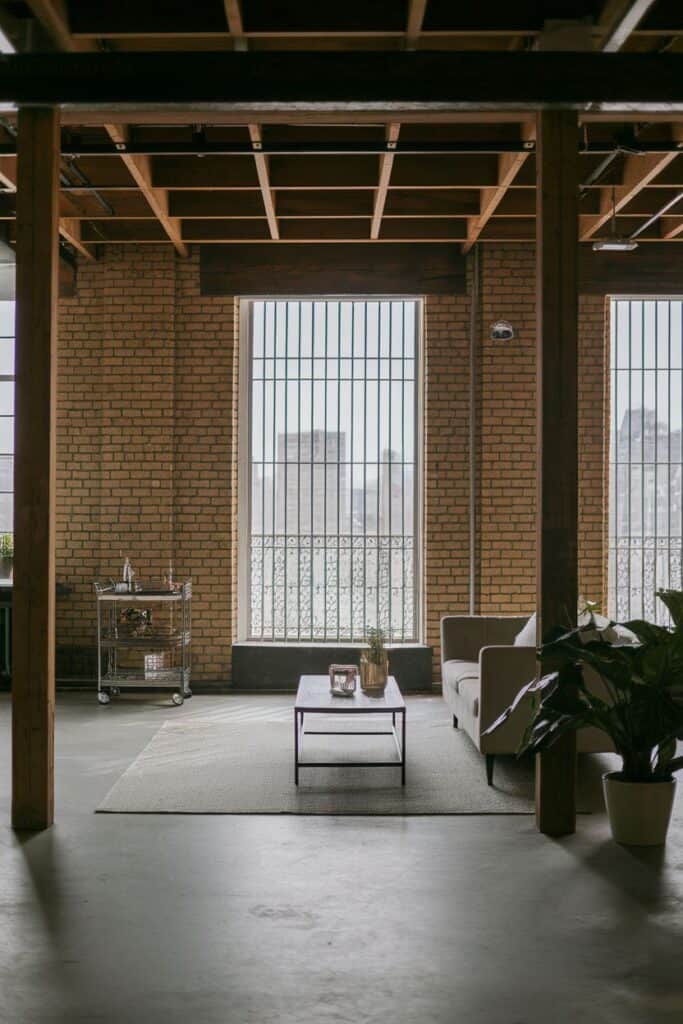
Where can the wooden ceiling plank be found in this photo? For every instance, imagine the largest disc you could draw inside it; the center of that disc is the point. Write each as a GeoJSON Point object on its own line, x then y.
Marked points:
{"type": "Point", "coordinates": [416, 13]}
{"type": "Point", "coordinates": [263, 173]}
{"type": "Point", "coordinates": [386, 162]}
{"type": "Point", "coordinates": [140, 168]}
{"type": "Point", "coordinates": [619, 18]}
{"type": "Point", "coordinates": [233, 16]}
{"type": "Point", "coordinates": [70, 230]}
{"type": "Point", "coordinates": [639, 172]}
{"type": "Point", "coordinates": [509, 165]}
{"type": "Point", "coordinates": [671, 227]}
{"type": "Point", "coordinates": [53, 16]}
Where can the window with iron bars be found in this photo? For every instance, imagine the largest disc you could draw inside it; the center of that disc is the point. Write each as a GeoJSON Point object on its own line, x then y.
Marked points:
{"type": "Point", "coordinates": [330, 468]}
{"type": "Point", "coordinates": [646, 457]}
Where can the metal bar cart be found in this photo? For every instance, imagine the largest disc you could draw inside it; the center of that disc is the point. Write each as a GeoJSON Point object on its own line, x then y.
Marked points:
{"type": "Point", "coordinates": [144, 639]}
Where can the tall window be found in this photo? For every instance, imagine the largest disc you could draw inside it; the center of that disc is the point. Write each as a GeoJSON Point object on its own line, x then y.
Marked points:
{"type": "Point", "coordinates": [646, 459]}
{"type": "Point", "coordinates": [332, 469]}
{"type": "Point", "coordinates": [6, 432]}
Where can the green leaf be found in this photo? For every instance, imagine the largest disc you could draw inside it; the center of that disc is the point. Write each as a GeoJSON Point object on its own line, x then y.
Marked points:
{"type": "Point", "coordinates": [673, 599]}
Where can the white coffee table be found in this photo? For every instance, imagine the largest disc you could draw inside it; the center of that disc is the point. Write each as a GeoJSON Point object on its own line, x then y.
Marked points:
{"type": "Point", "coordinates": [314, 698]}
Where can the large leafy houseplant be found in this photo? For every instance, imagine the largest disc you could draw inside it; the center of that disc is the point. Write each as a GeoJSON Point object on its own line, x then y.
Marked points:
{"type": "Point", "coordinates": [640, 702]}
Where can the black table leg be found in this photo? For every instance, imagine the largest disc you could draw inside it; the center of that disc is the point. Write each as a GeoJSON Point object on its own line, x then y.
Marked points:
{"type": "Point", "coordinates": [296, 747]}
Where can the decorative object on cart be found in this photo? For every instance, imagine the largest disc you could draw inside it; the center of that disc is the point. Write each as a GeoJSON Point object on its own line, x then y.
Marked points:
{"type": "Point", "coordinates": [641, 665]}
{"type": "Point", "coordinates": [128, 582]}
{"type": "Point", "coordinates": [145, 638]}
{"type": "Point", "coordinates": [343, 680]}
{"type": "Point", "coordinates": [6, 556]}
{"type": "Point", "coordinates": [374, 663]}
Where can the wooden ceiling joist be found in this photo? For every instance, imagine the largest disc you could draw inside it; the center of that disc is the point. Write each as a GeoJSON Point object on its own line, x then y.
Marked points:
{"type": "Point", "coordinates": [639, 172]}
{"type": "Point", "coordinates": [264, 182]}
{"type": "Point", "coordinates": [509, 165]}
{"type": "Point", "coordinates": [416, 13]}
{"type": "Point", "coordinates": [140, 168]}
{"type": "Point", "coordinates": [386, 162]}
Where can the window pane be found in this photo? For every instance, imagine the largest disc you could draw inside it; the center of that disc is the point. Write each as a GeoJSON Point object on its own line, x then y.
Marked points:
{"type": "Point", "coordinates": [6, 435]}
{"type": "Point", "coordinates": [6, 397]}
{"type": "Point", "coordinates": [6, 473]}
{"type": "Point", "coordinates": [6, 521]}
{"type": "Point", "coordinates": [332, 465]}
{"type": "Point", "coordinates": [6, 357]}
{"type": "Point", "coordinates": [7, 319]}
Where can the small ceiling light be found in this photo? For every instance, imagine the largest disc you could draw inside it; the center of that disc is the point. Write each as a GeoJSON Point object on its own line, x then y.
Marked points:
{"type": "Point", "coordinates": [614, 243]}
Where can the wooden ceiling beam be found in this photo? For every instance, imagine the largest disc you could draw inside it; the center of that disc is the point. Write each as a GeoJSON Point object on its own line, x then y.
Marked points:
{"type": "Point", "coordinates": [509, 165]}
{"type": "Point", "coordinates": [53, 17]}
{"type": "Point", "coordinates": [639, 172]}
{"type": "Point", "coordinates": [262, 171]}
{"type": "Point", "coordinates": [233, 16]}
{"type": "Point", "coordinates": [670, 228]}
{"type": "Point", "coordinates": [386, 162]}
{"type": "Point", "coordinates": [416, 14]}
{"type": "Point", "coordinates": [381, 83]}
{"type": "Point", "coordinates": [140, 169]}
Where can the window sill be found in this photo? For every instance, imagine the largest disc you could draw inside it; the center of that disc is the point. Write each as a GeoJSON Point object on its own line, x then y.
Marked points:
{"type": "Point", "coordinates": [278, 666]}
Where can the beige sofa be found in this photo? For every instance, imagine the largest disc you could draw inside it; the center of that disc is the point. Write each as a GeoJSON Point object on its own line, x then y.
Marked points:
{"type": "Point", "coordinates": [482, 672]}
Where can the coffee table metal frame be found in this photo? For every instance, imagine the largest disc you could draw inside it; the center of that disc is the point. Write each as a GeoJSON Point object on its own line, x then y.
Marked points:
{"type": "Point", "coordinates": [314, 698]}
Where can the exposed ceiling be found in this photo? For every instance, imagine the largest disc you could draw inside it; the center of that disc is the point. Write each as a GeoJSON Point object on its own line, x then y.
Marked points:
{"type": "Point", "coordinates": [466, 181]}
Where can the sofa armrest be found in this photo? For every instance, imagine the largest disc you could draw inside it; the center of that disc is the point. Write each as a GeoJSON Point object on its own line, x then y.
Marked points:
{"type": "Point", "coordinates": [503, 672]}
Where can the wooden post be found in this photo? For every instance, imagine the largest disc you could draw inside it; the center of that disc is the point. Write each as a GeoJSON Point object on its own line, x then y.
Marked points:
{"type": "Point", "coordinates": [33, 598]}
{"type": "Point", "coordinates": [557, 495]}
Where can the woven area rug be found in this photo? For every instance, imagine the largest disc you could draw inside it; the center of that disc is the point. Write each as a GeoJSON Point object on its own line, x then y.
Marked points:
{"type": "Point", "coordinates": [240, 761]}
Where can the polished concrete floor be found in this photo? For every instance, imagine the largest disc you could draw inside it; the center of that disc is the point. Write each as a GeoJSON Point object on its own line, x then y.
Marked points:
{"type": "Point", "coordinates": [115, 918]}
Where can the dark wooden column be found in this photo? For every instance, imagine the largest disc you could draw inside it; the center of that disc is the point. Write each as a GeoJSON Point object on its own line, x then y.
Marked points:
{"type": "Point", "coordinates": [557, 354]}
{"type": "Point", "coordinates": [33, 611]}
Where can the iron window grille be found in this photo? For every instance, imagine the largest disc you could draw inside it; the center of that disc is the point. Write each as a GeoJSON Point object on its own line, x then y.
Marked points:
{"type": "Point", "coordinates": [646, 459]}
{"type": "Point", "coordinates": [331, 469]}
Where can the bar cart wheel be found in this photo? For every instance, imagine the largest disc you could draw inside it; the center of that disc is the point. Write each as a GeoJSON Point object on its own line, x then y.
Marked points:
{"type": "Point", "coordinates": [103, 697]}
{"type": "Point", "coordinates": [114, 691]}
{"type": "Point", "coordinates": [177, 698]}
{"type": "Point", "coordinates": [187, 693]}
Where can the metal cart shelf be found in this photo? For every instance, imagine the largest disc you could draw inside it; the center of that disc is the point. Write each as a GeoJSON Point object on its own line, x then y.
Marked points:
{"type": "Point", "coordinates": [145, 638]}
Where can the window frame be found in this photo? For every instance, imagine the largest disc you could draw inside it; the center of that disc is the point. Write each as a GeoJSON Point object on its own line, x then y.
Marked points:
{"type": "Point", "coordinates": [244, 464]}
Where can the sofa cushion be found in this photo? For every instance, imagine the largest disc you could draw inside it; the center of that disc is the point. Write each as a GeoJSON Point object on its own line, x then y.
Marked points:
{"type": "Point", "coordinates": [469, 695]}
{"type": "Point", "coordinates": [454, 672]}
{"type": "Point", "coordinates": [527, 634]}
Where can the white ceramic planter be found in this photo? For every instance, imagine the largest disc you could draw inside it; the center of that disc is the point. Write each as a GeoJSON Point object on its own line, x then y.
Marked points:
{"type": "Point", "coordinates": [639, 812]}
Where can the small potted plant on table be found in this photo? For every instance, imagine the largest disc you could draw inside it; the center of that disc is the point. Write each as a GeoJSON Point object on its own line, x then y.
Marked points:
{"type": "Point", "coordinates": [641, 667]}
{"type": "Point", "coordinates": [6, 556]}
{"type": "Point", "coordinates": [374, 663]}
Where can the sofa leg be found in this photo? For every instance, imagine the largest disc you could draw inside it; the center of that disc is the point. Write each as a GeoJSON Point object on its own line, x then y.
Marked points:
{"type": "Point", "coordinates": [455, 721]}
{"type": "Point", "coordinates": [490, 760]}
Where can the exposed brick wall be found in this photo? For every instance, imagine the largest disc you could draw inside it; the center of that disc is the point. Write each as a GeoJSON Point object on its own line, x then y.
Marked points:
{"type": "Point", "coordinates": [446, 461]}
{"type": "Point", "coordinates": [205, 458]}
{"type": "Point", "coordinates": [507, 437]}
{"type": "Point", "coordinates": [147, 443]}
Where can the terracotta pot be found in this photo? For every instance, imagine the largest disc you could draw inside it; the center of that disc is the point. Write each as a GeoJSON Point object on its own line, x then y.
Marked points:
{"type": "Point", "coordinates": [373, 677]}
{"type": "Point", "coordinates": [639, 812]}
